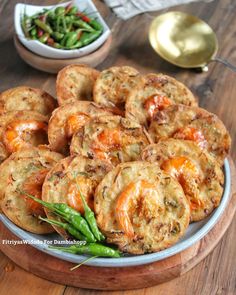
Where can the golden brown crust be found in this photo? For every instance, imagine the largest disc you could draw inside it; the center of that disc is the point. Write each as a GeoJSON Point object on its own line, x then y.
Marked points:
{"type": "Point", "coordinates": [75, 82]}
{"type": "Point", "coordinates": [59, 179]}
{"type": "Point", "coordinates": [155, 84]}
{"type": "Point", "coordinates": [15, 171]}
{"type": "Point", "coordinates": [57, 133]}
{"type": "Point", "coordinates": [159, 215]}
{"type": "Point", "coordinates": [27, 98]}
{"type": "Point", "coordinates": [113, 85]}
{"type": "Point", "coordinates": [114, 138]}
{"type": "Point", "coordinates": [3, 152]}
{"type": "Point", "coordinates": [168, 122]}
{"type": "Point", "coordinates": [206, 188]}
{"type": "Point", "coordinates": [35, 138]}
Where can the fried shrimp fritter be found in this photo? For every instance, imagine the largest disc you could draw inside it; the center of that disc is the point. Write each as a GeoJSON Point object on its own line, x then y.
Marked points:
{"type": "Point", "coordinates": [199, 174]}
{"type": "Point", "coordinates": [75, 82]}
{"type": "Point", "coordinates": [192, 123]}
{"type": "Point", "coordinates": [153, 93]}
{"type": "Point", "coordinates": [113, 138]}
{"type": "Point", "coordinates": [140, 208]}
{"type": "Point", "coordinates": [21, 174]}
{"type": "Point", "coordinates": [113, 86]}
{"type": "Point", "coordinates": [20, 130]}
{"type": "Point", "coordinates": [27, 98]}
{"type": "Point", "coordinates": [62, 183]}
{"type": "Point", "coordinates": [68, 119]}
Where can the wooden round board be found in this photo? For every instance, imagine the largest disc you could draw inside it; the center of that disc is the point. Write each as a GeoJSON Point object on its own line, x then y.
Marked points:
{"type": "Point", "coordinates": [107, 278]}
{"type": "Point", "coordinates": [55, 65]}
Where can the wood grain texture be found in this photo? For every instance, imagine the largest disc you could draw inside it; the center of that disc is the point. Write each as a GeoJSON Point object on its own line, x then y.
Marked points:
{"type": "Point", "coordinates": [55, 65]}
{"type": "Point", "coordinates": [215, 89]}
{"type": "Point", "coordinates": [26, 281]}
{"type": "Point", "coordinates": [125, 278]}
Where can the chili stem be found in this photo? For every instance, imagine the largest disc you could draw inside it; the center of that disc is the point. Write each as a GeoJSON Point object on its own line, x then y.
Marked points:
{"type": "Point", "coordinates": [86, 260]}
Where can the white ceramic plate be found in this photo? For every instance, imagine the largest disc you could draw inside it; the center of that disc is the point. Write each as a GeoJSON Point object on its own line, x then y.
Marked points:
{"type": "Point", "coordinates": [195, 232]}
{"type": "Point", "coordinates": [50, 52]}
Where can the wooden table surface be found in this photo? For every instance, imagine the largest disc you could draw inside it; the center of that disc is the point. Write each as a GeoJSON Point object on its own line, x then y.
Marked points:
{"type": "Point", "coordinates": [216, 91]}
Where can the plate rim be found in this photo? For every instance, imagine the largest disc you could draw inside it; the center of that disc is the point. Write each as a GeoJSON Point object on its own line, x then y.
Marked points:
{"type": "Point", "coordinates": [137, 259]}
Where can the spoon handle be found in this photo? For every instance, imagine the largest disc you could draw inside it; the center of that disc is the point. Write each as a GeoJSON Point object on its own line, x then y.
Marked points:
{"type": "Point", "coordinates": [225, 62]}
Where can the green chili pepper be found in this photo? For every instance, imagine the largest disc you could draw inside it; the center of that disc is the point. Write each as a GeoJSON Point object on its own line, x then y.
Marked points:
{"type": "Point", "coordinates": [57, 45]}
{"type": "Point", "coordinates": [75, 219]}
{"type": "Point", "coordinates": [57, 36]}
{"type": "Point", "coordinates": [73, 10]}
{"type": "Point", "coordinates": [69, 19]}
{"type": "Point", "coordinates": [90, 249]}
{"type": "Point", "coordinates": [69, 228]}
{"type": "Point", "coordinates": [26, 24]}
{"type": "Point", "coordinates": [45, 10]}
{"type": "Point", "coordinates": [79, 223]}
{"type": "Point", "coordinates": [68, 36]}
{"type": "Point", "coordinates": [90, 217]}
{"type": "Point", "coordinates": [45, 27]}
{"type": "Point", "coordinates": [64, 25]}
{"type": "Point", "coordinates": [87, 38]}
{"type": "Point", "coordinates": [68, 214]}
{"type": "Point", "coordinates": [81, 24]}
{"type": "Point", "coordinates": [58, 21]}
{"type": "Point", "coordinates": [63, 41]}
{"type": "Point", "coordinates": [77, 45]}
{"type": "Point", "coordinates": [96, 25]}
{"type": "Point", "coordinates": [60, 10]}
{"type": "Point", "coordinates": [51, 15]}
{"type": "Point", "coordinates": [33, 32]}
{"type": "Point", "coordinates": [69, 26]}
{"type": "Point", "coordinates": [71, 39]}
{"type": "Point", "coordinates": [44, 38]}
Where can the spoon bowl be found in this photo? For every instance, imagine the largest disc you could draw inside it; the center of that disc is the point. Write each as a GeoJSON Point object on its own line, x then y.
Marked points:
{"type": "Point", "coordinates": [183, 40]}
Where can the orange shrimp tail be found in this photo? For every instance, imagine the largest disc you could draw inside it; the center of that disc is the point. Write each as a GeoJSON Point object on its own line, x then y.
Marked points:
{"type": "Point", "coordinates": [75, 122]}
{"type": "Point", "coordinates": [125, 223]}
{"type": "Point", "coordinates": [122, 208]}
{"type": "Point", "coordinates": [33, 186]}
{"type": "Point", "coordinates": [125, 203]}
{"type": "Point", "coordinates": [195, 204]}
{"type": "Point", "coordinates": [73, 196]}
{"type": "Point", "coordinates": [155, 103]}
{"type": "Point", "coordinates": [178, 166]}
{"type": "Point", "coordinates": [13, 134]}
{"type": "Point", "coordinates": [110, 138]}
{"type": "Point", "coordinates": [190, 133]}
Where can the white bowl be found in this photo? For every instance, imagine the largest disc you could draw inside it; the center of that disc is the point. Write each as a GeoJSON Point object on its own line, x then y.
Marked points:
{"type": "Point", "coordinates": [50, 52]}
{"type": "Point", "coordinates": [195, 232]}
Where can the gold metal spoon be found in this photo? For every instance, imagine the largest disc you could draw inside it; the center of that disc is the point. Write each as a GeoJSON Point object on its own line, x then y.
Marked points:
{"type": "Point", "coordinates": [185, 40]}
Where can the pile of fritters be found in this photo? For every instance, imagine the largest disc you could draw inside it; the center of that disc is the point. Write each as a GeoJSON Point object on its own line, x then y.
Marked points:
{"type": "Point", "coordinates": [146, 158]}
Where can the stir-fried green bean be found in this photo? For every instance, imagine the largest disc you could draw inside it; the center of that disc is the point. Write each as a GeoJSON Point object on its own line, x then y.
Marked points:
{"type": "Point", "coordinates": [42, 25]}
{"type": "Point", "coordinates": [61, 27]}
{"type": "Point", "coordinates": [44, 38]}
{"type": "Point", "coordinates": [71, 39]}
{"type": "Point", "coordinates": [81, 24]}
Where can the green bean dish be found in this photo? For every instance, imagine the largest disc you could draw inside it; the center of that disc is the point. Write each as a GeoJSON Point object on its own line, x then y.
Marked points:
{"type": "Point", "coordinates": [61, 27]}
